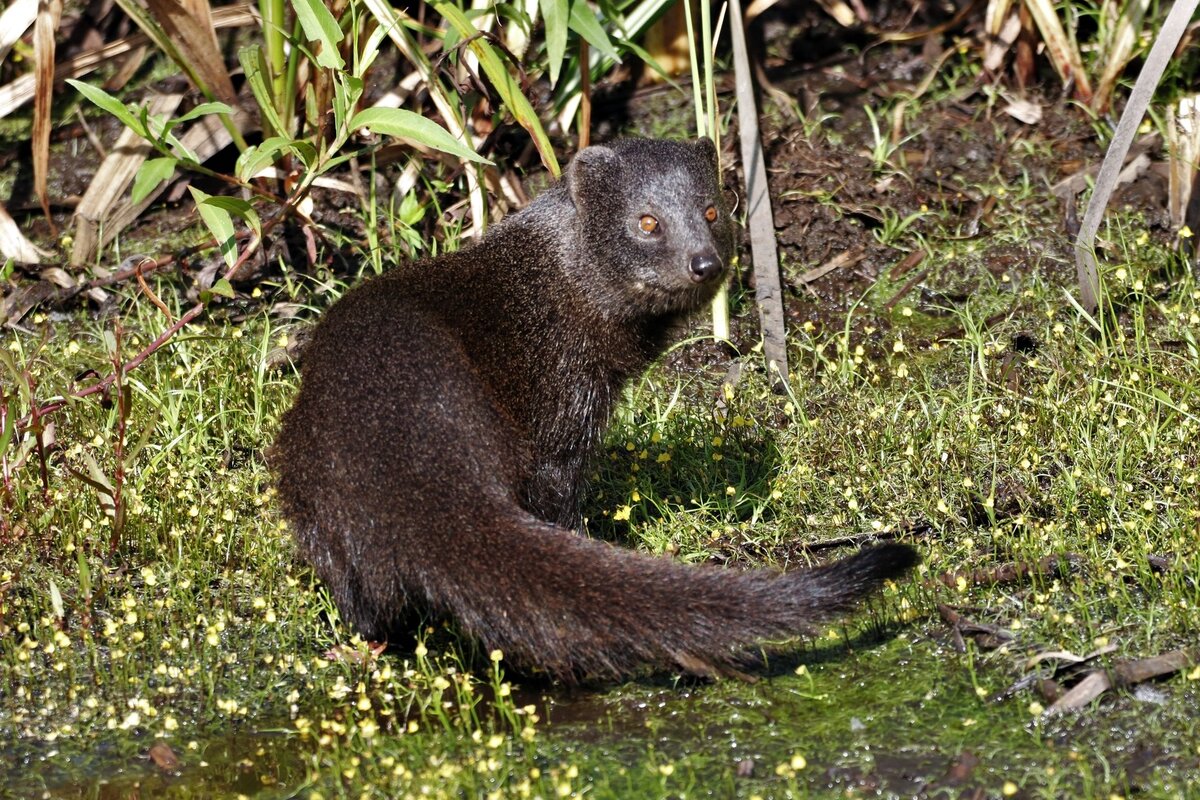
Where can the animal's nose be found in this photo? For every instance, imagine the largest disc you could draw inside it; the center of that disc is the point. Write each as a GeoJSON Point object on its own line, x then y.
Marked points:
{"type": "Point", "coordinates": [704, 268]}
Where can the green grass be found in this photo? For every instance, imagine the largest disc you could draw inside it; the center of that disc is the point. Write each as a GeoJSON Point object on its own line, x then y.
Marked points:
{"type": "Point", "coordinates": [202, 630]}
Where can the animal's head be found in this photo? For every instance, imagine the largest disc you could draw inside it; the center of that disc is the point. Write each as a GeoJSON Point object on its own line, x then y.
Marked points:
{"type": "Point", "coordinates": [652, 217]}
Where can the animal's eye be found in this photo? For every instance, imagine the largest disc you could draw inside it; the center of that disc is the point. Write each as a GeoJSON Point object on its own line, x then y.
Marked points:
{"type": "Point", "coordinates": [648, 224]}
{"type": "Point", "coordinates": [710, 213]}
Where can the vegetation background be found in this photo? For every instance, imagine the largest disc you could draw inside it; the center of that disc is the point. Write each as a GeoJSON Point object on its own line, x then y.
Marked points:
{"type": "Point", "coordinates": [926, 166]}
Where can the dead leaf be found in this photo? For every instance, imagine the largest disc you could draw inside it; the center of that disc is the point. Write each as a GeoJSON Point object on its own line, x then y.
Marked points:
{"type": "Point", "coordinates": [13, 243]}
{"type": "Point", "coordinates": [21, 90]}
{"type": "Point", "coordinates": [189, 25]}
{"type": "Point", "coordinates": [58, 276]}
{"type": "Point", "coordinates": [1025, 111]}
{"type": "Point", "coordinates": [48, 16]}
{"type": "Point", "coordinates": [164, 757]}
{"type": "Point", "coordinates": [996, 50]}
{"type": "Point", "coordinates": [15, 20]}
{"type": "Point", "coordinates": [846, 258]}
{"type": "Point", "coordinates": [1095, 684]}
{"type": "Point", "coordinates": [1068, 656]}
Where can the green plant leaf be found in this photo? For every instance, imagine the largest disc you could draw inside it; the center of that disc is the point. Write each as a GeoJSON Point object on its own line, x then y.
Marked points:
{"type": "Point", "coordinates": [584, 22]}
{"type": "Point", "coordinates": [555, 13]}
{"type": "Point", "coordinates": [238, 206]}
{"type": "Point", "coordinates": [503, 82]}
{"type": "Point", "coordinates": [112, 105]}
{"type": "Point", "coordinates": [6, 434]}
{"type": "Point", "coordinates": [150, 174]}
{"type": "Point", "coordinates": [320, 26]}
{"type": "Point", "coordinates": [222, 288]}
{"type": "Point", "coordinates": [219, 223]}
{"type": "Point", "coordinates": [408, 125]}
{"type": "Point", "coordinates": [347, 90]}
{"type": "Point", "coordinates": [257, 157]}
{"type": "Point", "coordinates": [204, 109]}
{"type": "Point", "coordinates": [254, 66]}
{"type": "Point", "coordinates": [370, 50]}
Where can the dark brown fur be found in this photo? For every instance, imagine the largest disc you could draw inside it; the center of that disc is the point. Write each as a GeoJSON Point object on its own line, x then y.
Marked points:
{"type": "Point", "coordinates": [434, 457]}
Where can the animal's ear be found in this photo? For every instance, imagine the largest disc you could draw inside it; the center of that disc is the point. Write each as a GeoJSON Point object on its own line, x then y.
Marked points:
{"type": "Point", "coordinates": [590, 170]}
{"type": "Point", "coordinates": [707, 150]}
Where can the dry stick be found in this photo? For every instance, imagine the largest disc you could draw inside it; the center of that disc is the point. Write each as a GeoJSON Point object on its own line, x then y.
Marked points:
{"type": "Point", "coordinates": [905, 289]}
{"type": "Point", "coordinates": [913, 531]}
{"type": "Point", "coordinates": [767, 291]}
{"type": "Point", "coordinates": [1086, 267]}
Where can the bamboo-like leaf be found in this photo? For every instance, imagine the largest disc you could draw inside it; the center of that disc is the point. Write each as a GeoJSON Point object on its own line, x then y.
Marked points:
{"type": "Point", "coordinates": [370, 51]}
{"type": "Point", "coordinates": [347, 90]}
{"type": "Point", "coordinates": [407, 125]}
{"type": "Point", "coordinates": [124, 163]}
{"type": "Point", "coordinates": [503, 82]}
{"type": "Point", "coordinates": [202, 140]}
{"type": "Point", "coordinates": [320, 26]}
{"type": "Point", "coordinates": [258, 157]}
{"type": "Point", "coordinates": [584, 22]}
{"type": "Point", "coordinates": [391, 20]}
{"type": "Point", "coordinates": [238, 206]}
{"type": "Point", "coordinates": [6, 433]}
{"type": "Point", "coordinates": [556, 14]}
{"type": "Point", "coordinates": [254, 66]}
{"type": "Point", "coordinates": [202, 109]}
{"type": "Point", "coordinates": [106, 102]}
{"type": "Point", "coordinates": [49, 13]}
{"type": "Point", "coordinates": [150, 175]}
{"type": "Point", "coordinates": [637, 19]}
{"type": "Point", "coordinates": [219, 223]}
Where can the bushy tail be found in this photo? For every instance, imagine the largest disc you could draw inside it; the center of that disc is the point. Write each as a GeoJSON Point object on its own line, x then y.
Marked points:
{"type": "Point", "coordinates": [551, 599]}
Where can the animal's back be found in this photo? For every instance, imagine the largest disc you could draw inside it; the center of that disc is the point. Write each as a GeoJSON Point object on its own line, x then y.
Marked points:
{"type": "Point", "coordinates": [435, 452]}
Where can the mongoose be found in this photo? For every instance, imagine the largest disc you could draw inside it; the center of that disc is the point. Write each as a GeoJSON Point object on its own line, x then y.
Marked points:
{"type": "Point", "coordinates": [435, 454]}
